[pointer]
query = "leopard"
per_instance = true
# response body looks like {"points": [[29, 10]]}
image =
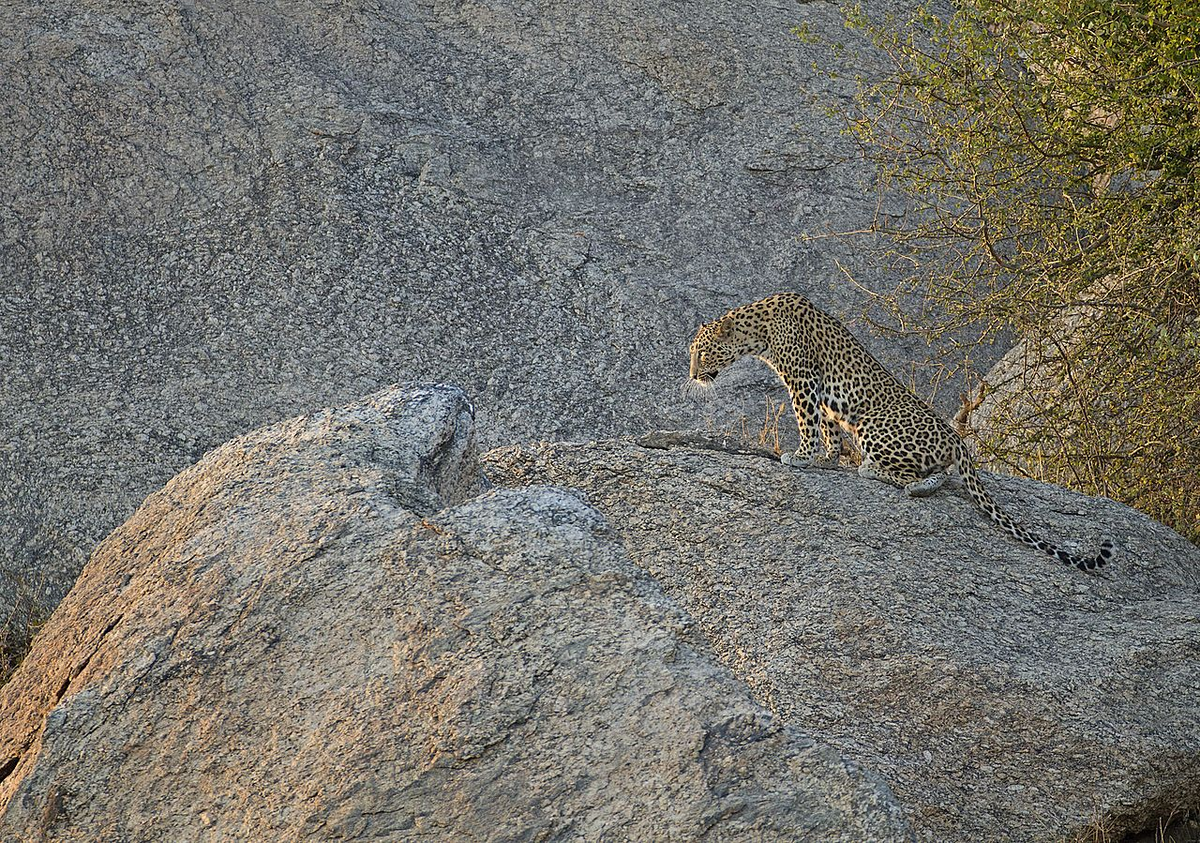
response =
{"points": [[840, 392]]}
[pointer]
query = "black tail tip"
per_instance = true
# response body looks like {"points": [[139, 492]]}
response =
{"points": [[1100, 559]]}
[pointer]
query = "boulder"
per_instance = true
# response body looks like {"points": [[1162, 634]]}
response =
{"points": [[327, 629], [998, 693]]}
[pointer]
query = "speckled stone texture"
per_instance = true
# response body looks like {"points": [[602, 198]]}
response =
{"points": [[998, 693], [324, 631], [218, 215]]}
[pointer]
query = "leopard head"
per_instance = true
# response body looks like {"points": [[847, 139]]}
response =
{"points": [[717, 345]]}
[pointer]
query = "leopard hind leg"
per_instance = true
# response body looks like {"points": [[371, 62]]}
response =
{"points": [[904, 476], [926, 486], [877, 469]]}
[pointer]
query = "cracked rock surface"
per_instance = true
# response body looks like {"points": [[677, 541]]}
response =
{"points": [[327, 629], [999, 694]]}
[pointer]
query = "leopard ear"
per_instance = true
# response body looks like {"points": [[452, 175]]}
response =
{"points": [[724, 328]]}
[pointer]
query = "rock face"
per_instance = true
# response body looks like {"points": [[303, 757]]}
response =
{"points": [[218, 215], [323, 631], [1000, 695]]}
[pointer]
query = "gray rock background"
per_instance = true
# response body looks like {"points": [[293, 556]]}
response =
{"points": [[320, 632], [217, 215], [998, 693]]}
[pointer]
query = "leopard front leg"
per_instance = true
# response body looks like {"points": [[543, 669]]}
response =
{"points": [[831, 437], [817, 443]]}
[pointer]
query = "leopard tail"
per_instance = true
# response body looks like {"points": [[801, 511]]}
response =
{"points": [[981, 498]]}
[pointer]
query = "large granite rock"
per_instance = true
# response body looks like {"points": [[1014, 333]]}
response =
{"points": [[321, 632], [1001, 695], [217, 215]]}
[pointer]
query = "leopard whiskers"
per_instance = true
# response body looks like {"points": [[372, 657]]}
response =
{"points": [[694, 390]]}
